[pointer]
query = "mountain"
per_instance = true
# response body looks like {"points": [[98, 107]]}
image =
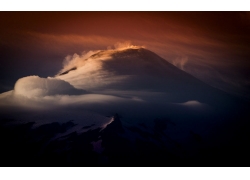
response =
{"points": [[138, 69], [121, 107]]}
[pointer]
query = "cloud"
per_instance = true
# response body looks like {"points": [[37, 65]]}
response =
{"points": [[125, 45], [180, 62], [89, 71], [73, 61], [34, 86]]}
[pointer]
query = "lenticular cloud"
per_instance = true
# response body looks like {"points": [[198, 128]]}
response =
{"points": [[34, 86]]}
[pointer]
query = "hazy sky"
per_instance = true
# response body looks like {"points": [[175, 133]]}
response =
{"points": [[213, 46]]}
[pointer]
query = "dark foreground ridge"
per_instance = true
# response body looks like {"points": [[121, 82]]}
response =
{"points": [[116, 145]]}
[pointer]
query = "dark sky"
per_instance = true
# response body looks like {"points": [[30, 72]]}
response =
{"points": [[213, 46]]}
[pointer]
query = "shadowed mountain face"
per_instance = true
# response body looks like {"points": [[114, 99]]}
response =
{"points": [[122, 107]]}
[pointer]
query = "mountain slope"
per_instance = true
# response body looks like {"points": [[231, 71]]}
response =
{"points": [[138, 69]]}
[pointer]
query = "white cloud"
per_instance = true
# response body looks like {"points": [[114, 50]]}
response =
{"points": [[34, 86]]}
